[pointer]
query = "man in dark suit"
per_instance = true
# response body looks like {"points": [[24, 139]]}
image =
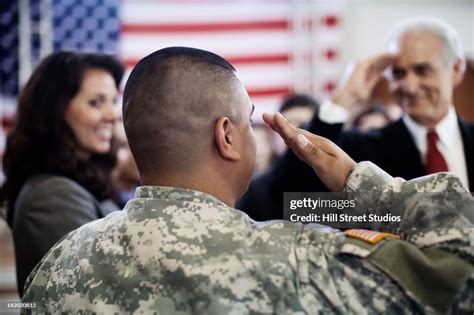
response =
{"points": [[423, 65]]}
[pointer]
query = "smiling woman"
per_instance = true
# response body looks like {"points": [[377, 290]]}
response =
{"points": [[92, 113], [59, 154]]}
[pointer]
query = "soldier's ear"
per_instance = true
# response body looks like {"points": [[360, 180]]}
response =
{"points": [[224, 139]]}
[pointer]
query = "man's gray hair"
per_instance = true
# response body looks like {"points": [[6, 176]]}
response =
{"points": [[452, 45]]}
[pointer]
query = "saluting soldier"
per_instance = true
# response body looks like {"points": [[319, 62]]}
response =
{"points": [[179, 246]]}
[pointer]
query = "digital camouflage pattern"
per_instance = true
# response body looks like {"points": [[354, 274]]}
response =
{"points": [[177, 251]]}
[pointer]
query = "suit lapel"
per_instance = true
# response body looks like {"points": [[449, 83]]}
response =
{"points": [[405, 157], [467, 134]]}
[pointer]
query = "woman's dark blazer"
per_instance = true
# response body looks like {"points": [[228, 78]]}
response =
{"points": [[47, 208]]}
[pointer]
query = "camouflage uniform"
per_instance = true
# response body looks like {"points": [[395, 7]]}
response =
{"points": [[177, 251]]}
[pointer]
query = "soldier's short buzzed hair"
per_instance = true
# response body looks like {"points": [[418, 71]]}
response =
{"points": [[154, 66], [170, 102]]}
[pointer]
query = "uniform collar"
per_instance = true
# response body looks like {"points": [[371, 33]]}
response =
{"points": [[177, 194]]}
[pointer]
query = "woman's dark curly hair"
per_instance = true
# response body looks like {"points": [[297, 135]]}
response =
{"points": [[41, 142]]}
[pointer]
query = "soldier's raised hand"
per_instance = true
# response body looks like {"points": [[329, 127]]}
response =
{"points": [[330, 163]]}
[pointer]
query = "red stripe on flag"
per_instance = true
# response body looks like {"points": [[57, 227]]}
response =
{"points": [[282, 58], [284, 90], [238, 60], [205, 27]]}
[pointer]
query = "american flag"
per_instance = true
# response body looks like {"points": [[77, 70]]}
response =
{"points": [[86, 25], [8, 67], [272, 43], [254, 37], [277, 46]]}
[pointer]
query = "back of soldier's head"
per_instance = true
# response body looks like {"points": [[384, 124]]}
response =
{"points": [[171, 101]]}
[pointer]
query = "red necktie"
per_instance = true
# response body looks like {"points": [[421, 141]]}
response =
{"points": [[434, 160]]}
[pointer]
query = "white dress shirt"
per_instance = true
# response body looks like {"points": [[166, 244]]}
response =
{"points": [[450, 142]]}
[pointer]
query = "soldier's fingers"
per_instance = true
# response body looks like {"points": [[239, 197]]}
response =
{"points": [[307, 146], [307, 150], [276, 121], [318, 141], [286, 130], [289, 133], [269, 119]]}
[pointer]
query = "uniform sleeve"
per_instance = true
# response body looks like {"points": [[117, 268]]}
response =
{"points": [[47, 212], [433, 209], [437, 215]]}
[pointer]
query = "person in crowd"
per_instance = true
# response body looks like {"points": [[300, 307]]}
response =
{"points": [[58, 156], [298, 109], [125, 176], [265, 152], [374, 117], [180, 247], [424, 63]]}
